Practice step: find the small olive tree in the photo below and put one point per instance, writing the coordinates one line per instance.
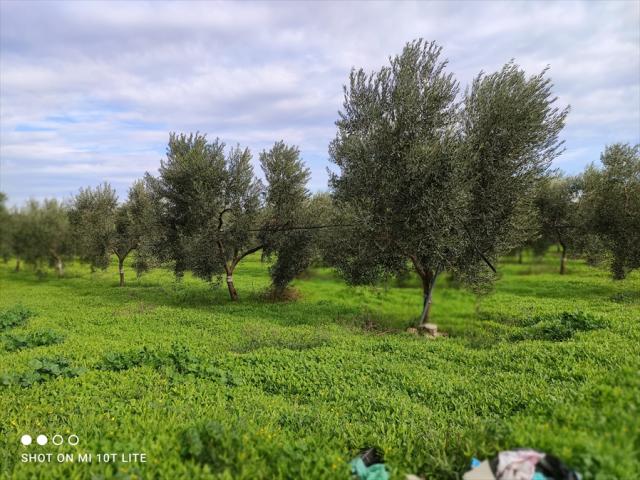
(6, 227)
(55, 233)
(610, 206)
(283, 232)
(557, 204)
(92, 216)
(211, 211)
(101, 227)
(427, 180)
(40, 235)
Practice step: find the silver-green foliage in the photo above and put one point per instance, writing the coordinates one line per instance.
(286, 212)
(211, 211)
(102, 227)
(429, 179)
(556, 201)
(40, 234)
(610, 206)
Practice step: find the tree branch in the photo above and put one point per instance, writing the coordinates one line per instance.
(220, 218)
(248, 252)
(477, 250)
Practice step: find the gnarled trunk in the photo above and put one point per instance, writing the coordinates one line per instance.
(428, 282)
(121, 270)
(59, 267)
(232, 289)
(17, 269)
(428, 278)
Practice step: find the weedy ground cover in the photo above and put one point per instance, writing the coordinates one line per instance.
(260, 389)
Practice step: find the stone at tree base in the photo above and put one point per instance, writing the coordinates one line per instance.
(412, 331)
(430, 329)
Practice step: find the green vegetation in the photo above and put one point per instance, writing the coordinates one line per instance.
(32, 339)
(209, 388)
(14, 317)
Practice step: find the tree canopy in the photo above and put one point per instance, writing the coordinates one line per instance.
(610, 206)
(212, 211)
(427, 179)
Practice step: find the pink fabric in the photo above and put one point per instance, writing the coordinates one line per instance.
(517, 464)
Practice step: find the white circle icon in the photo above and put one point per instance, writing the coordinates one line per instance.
(57, 439)
(25, 440)
(42, 439)
(74, 441)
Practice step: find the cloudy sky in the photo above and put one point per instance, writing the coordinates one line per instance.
(89, 90)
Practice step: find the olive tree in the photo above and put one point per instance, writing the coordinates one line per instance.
(286, 214)
(132, 220)
(6, 226)
(610, 206)
(321, 210)
(207, 204)
(92, 216)
(211, 211)
(55, 241)
(40, 234)
(557, 204)
(102, 227)
(428, 180)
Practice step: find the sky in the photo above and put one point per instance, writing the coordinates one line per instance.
(89, 91)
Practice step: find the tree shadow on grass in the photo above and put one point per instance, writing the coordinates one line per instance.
(145, 297)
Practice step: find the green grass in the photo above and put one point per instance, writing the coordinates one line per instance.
(293, 390)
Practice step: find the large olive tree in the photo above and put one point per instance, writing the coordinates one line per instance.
(428, 180)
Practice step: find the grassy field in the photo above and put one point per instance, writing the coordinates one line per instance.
(210, 389)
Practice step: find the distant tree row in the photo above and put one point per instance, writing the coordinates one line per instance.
(204, 213)
(427, 180)
(595, 214)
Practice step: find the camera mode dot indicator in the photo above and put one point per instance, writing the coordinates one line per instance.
(42, 439)
(25, 439)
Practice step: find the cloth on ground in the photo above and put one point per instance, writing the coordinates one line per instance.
(377, 471)
(517, 464)
(521, 464)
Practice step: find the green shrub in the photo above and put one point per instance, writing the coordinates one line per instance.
(176, 362)
(42, 369)
(19, 341)
(119, 361)
(559, 327)
(239, 450)
(14, 317)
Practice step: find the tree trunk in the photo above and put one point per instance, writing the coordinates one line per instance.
(17, 265)
(617, 267)
(563, 260)
(232, 290)
(59, 267)
(428, 282)
(121, 270)
(520, 257)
